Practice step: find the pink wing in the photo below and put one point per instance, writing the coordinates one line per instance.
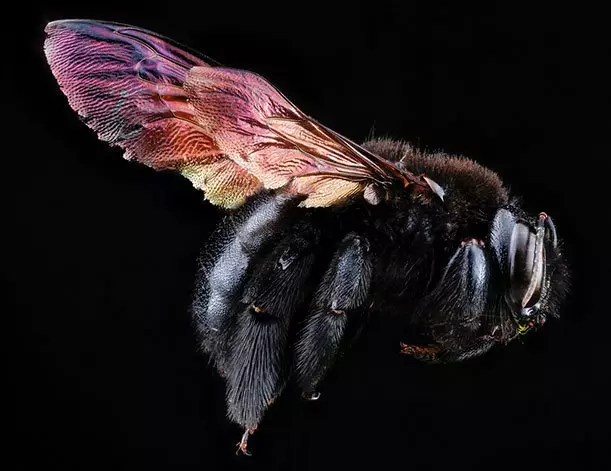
(228, 131)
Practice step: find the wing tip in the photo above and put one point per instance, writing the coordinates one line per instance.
(81, 25)
(75, 23)
(54, 27)
(54, 30)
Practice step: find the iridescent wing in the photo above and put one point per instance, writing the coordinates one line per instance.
(228, 131)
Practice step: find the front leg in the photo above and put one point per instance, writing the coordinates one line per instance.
(453, 312)
(435, 353)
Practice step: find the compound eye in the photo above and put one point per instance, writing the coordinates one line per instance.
(526, 266)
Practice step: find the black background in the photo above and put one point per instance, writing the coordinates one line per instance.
(100, 254)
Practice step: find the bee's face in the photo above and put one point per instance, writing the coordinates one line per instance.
(527, 254)
(497, 287)
(527, 323)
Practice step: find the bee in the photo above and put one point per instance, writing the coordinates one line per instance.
(320, 233)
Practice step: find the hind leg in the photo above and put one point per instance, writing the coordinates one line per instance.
(252, 286)
(257, 366)
(224, 265)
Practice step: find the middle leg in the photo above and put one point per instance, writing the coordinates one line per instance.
(341, 293)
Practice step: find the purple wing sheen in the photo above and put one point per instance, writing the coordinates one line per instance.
(228, 131)
(127, 85)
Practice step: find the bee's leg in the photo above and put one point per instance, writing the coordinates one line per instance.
(429, 353)
(476, 348)
(436, 354)
(342, 291)
(257, 366)
(243, 443)
(455, 308)
(224, 265)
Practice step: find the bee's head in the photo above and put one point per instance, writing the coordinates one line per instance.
(528, 255)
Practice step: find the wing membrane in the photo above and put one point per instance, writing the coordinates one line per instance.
(228, 131)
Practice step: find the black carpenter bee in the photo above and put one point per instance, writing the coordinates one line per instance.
(320, 230)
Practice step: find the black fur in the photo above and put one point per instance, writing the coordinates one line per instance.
(279, 284)
(343, 290)
(256, 367)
